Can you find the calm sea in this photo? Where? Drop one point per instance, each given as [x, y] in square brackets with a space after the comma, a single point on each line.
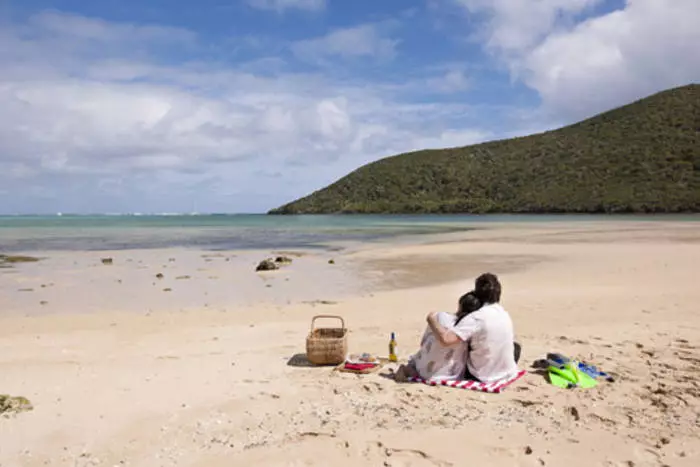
[245, 231]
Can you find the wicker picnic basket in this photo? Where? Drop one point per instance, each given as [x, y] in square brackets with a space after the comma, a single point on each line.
[327, 346]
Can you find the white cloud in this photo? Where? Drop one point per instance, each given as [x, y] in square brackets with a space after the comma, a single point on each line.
[91, 122]
[451, 81]
[282, 5]
[610, 60]
[587, 66]
[66, 26]
[366, 40]
[517, 25]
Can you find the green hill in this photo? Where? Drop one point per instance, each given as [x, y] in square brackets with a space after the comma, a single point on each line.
[642, 157]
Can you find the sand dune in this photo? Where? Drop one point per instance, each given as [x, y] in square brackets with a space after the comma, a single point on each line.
[123, 373]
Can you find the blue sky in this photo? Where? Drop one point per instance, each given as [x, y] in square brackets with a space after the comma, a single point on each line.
[242, 105]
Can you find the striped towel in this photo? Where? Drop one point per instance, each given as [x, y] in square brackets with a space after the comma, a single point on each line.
[494, 387]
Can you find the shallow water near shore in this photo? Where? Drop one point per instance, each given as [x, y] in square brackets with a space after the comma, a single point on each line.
[249, 231]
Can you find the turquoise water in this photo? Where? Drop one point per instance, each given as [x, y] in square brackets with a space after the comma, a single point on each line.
[246, 231]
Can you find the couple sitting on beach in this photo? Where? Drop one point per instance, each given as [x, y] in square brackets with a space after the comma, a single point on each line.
[476, 343]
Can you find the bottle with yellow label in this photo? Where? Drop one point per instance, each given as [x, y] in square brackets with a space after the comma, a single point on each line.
[392, 348]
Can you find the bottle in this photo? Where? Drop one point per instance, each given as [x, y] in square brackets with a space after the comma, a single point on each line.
[392, 348]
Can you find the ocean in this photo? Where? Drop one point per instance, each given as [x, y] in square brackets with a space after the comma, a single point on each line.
[247, 231]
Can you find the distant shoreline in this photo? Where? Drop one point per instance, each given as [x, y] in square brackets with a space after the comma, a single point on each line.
[345, 214]
[261, 232]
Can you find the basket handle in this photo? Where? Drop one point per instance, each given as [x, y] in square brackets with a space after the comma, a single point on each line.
[313, 320]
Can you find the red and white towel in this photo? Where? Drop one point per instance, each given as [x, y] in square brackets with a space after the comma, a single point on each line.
[494, 387]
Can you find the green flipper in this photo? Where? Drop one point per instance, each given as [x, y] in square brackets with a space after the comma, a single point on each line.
[565, 378]
[559, 381]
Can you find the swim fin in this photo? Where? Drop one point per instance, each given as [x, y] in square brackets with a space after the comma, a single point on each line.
[559, 381]
[566, 376]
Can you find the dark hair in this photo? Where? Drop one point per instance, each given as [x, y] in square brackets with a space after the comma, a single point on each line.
[468, 303]
[487, 288]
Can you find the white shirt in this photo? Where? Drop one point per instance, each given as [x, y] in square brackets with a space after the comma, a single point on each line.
[434, 361]
[489, 333]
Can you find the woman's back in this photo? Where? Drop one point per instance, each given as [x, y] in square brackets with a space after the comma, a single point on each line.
[436, 361]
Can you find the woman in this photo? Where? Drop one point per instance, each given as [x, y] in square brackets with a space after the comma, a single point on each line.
[477, 343]
[437, 359]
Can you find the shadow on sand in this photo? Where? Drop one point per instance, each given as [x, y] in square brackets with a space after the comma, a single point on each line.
[300, 360]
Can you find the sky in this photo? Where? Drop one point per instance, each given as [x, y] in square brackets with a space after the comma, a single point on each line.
[152, 106]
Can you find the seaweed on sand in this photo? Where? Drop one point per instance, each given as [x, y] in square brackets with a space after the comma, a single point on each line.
[14, 405]
[7, 261]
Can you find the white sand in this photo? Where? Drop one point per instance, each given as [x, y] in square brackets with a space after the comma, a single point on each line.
[127, 374]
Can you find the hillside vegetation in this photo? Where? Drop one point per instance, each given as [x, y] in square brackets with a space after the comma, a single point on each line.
[642, 157]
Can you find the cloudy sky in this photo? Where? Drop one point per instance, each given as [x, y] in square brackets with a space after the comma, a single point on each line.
[242, 105]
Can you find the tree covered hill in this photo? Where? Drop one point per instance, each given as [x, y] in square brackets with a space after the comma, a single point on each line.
[642, 157]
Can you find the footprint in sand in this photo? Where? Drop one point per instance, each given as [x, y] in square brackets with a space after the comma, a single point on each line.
[402, 456]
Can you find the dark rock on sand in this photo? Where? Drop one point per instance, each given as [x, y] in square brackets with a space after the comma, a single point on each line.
[107, 261]
[321, 302]
[179, 278]
[267, 265]
[574, 413]
[159, 276]
[331, 261]
[283, 260]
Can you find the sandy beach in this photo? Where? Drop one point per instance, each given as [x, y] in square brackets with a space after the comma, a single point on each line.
[201, 367]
